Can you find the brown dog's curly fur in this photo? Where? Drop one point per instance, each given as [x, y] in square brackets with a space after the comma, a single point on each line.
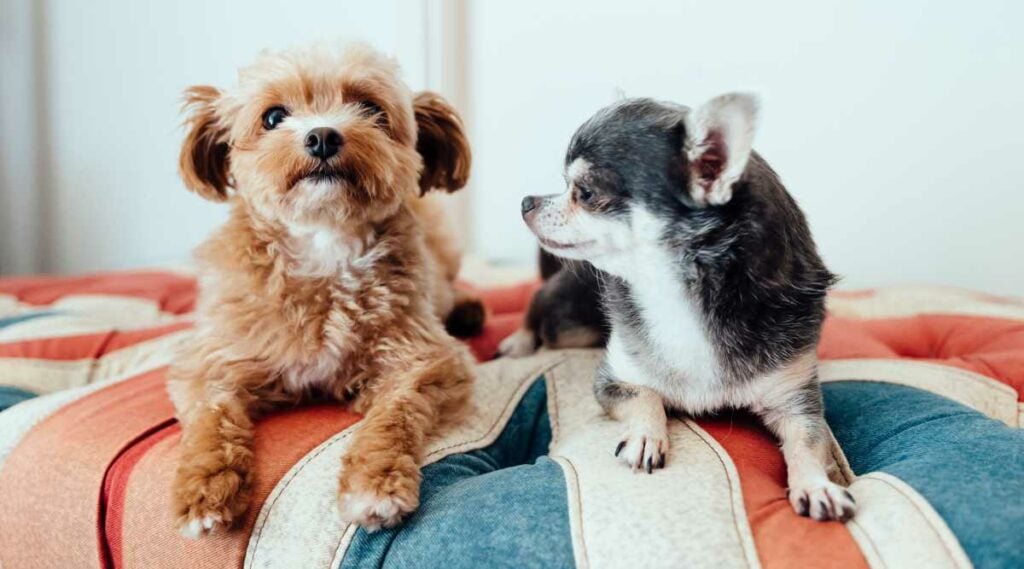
[331, 284]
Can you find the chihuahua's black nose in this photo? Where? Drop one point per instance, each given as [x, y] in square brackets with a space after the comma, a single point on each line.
[529, 204]
[323, 142]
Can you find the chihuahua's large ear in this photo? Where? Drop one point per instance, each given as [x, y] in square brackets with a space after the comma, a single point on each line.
[441, 141]
[719, 136]
[204, 154]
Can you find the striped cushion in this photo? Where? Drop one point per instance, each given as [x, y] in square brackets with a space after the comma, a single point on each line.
[922, 388]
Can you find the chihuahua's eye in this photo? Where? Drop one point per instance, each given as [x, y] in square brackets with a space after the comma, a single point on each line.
[584, 195]
[273, 117]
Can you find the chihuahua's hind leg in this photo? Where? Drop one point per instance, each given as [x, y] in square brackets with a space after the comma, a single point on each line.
[644, 442]
[797, 420]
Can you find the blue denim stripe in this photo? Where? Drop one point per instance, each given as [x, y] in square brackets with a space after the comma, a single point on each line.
[11, 320]
[502, 506]
[970, 468]
[12, 395]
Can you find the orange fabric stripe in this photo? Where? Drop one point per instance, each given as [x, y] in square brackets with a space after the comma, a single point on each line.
[112, 501]
[989, 346]
[497, 328]
[509, 299]
[69, 348]
[783, 539]
[152, 542]
[173, 292]
[50, 485]
[90, 485]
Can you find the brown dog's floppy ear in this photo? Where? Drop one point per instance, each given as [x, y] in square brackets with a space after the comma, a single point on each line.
[204, 154]
[441, 141]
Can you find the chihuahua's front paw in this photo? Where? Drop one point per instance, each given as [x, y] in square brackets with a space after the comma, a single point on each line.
[644, 447]
[520, 344]
[823, 501]
[208, 502]
[378, 499]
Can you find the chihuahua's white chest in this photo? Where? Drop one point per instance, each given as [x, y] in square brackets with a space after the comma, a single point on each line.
[667, 348]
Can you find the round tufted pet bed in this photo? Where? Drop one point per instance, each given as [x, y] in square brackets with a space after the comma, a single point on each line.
[922, 391]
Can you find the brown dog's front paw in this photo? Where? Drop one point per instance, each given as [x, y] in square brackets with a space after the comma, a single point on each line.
[466, 318]
[372, 510]
[376, 498]
[206, 502]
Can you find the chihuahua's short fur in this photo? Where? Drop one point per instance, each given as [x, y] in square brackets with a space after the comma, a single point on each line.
[710, 279]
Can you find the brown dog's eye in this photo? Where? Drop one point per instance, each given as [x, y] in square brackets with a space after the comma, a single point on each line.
[273, 117]
[372, 110]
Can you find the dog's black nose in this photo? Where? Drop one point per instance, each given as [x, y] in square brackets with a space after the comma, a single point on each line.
[529, 204]
[323, 142]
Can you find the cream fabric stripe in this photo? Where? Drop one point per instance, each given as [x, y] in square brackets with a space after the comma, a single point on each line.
[122, 312]
[613, 510]
[895, 302]
[116, 366]
[896, 527]
[572, 483]
[44, 376]
[979, 392]
[298, 525]
[56, 326]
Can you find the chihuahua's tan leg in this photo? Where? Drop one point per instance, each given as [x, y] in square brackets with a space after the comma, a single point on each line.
[797, 420]
[212, 484]
[644, 443]
[521, 343]
[380, 476]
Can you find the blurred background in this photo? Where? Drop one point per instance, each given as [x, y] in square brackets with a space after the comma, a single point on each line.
[896, 125]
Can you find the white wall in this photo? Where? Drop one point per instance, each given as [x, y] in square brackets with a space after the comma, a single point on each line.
[110, 77]
[20, 202]
[897, 125]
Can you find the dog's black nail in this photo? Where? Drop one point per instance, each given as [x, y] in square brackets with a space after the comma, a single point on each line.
[849, 496]
[805, 506]
[618, 449]
[650, 464]
[661, 461]
[831, 509]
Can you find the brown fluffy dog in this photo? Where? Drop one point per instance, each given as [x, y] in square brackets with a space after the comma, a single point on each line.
[331, 277]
